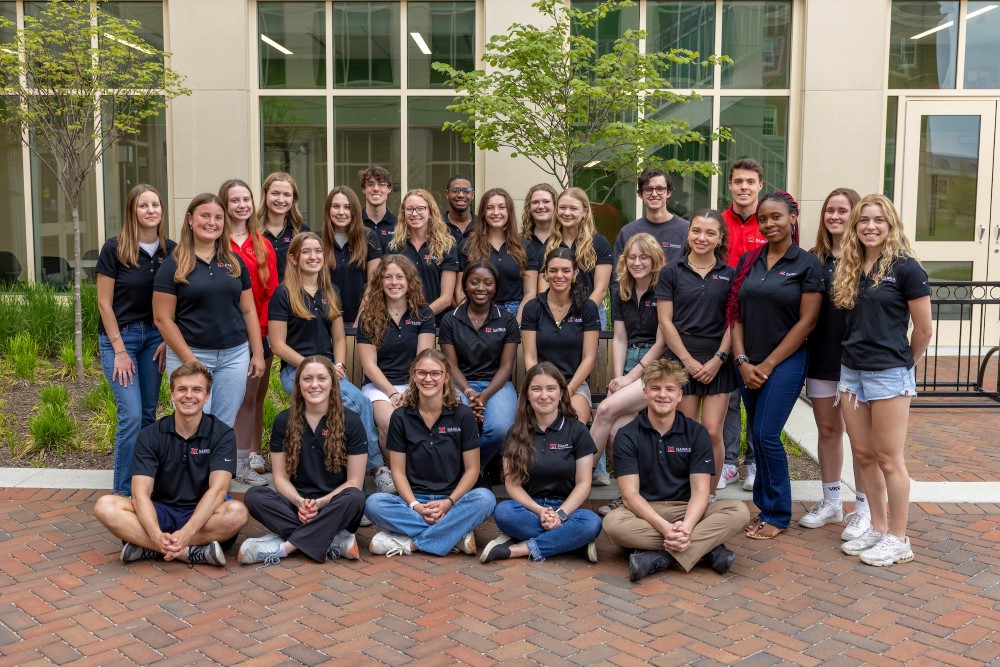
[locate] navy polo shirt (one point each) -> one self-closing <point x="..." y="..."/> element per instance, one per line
<point x="478" y="351"/>
<point x="180" y="467"/>
<point x="826" y="339"/>
<point x="699" y="303"/>
<point x="307" y="337"/>
<point x="399" y="345"/>
<point x="603" y="250"/>
<point x="770" y="299"/>
<point x="557" y="449"/>
<point x="433" y="455"/>
<point x="280" y="243"/>
<point x="638" y="314"/>
<point x="208" y="304"/>
<point x="455" y="232"/>
<point x="559" y="343"/>
<point x="349" y="279"/>
<point x="664" y="462"/>
<point x="311" y="479"/>
<point x="430" y="267"/>
<point x="133" y="295"/>
<point x="384" y="228"/>
<point x="876" y="327"/>
<point x="511" y="287"/>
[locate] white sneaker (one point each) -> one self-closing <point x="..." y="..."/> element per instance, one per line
<point x="859" y="545"/>
<point x="391" y="544"/>
<point x="858" y="523"/>
<point x="466" y="545"/>
<point x="889" y="550"/>
<point x="260" y="549"/>
<point x="601" y="479"/>
<point x="365" y="521"/>
<point x="751" y="476"/>
<point x="822" y="513"/>
<point x="247" y="475"/>
<point x="258" y="463"/>
<point x="383" y="481"/>
<point x="729" y="474"/>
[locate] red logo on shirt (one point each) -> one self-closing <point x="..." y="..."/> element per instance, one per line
<point x="441" y="429"/>
<point x="670" y="448"/>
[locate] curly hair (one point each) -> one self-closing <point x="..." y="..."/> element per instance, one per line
<point x="334" y="437"/>
<point x="478" y="246"/>
<point x="721" y="250"/>
<point x="261" y="248"/>
<point x="294" y="215"/>
<point x="824" y="240"/>
<point x="128" y="237"/>
<point x="184" y="253"/>
<point x="357" y="233"/>
<point x="374" y="318"/>
<point x="519" y="446"/>
<point x="411" y="397"/>
<point x="648" y="246"/>
<point x="527" y="221"/>
<point x="852" y="255"/>
<point x="586" y="255"/>
<point x="293" y="281"/>
<point x="439" y="239"/>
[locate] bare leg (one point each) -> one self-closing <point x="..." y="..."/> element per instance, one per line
<point x="713" y="417"/>
<point x="118" y="515"/>
<point x="582" y="407"/>
<point x="383" y="412"/>
<point x="889" y="420"/>
<point x="858" y="419"/>
<point x="830" y="424"/>
<point x="621" y="406"/>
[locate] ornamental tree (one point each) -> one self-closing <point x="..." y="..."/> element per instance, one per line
<point x="73" y="82"/>
<point x="550" y="96"/>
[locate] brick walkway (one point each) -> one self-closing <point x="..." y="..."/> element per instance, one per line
<point x="954" y="445"/>
<point x="65" y="597"/>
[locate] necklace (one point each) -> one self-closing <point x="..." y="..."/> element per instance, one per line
<point x="477" y="320"/>
<point x="207" y="260"/>
<point x="699" y="266"/>
<point x="313" y="421"/>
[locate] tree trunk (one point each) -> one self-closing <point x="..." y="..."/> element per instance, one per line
<point x="77" y="301"/>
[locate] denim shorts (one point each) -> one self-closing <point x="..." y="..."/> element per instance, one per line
<point x="870" y="386"/>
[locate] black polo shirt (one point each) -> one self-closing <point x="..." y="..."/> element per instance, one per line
<point x="638" y="314"/>
<point x="561" y="345"/>
<point x="399" y="345"/>
<point x="664" y="462"/>
<point x="511" y="287"/>
<point x="455" y="232"/>
<point x="536" y="253"/>
<point x="826" y="339"/>
<point x="876" y="327"/>
<point x="180" y="467"/>
<point x="307" y="337"/>
<point x="433" y="455"/>
<point x="557" y="450"/>
<point x="132" y="300"/>
<point x="603" y="250"/>
<point x="311" y="479"/>
<point x="699" y="303"/>
<point x="430" y="267"/>
<point x="208" y="304"/>
<point x="349" y="279"/>
<point x="384" y="228"/>
<point x="770" y="300"/>
<point x="280" y="243"/>
<point x="478" y="351"/>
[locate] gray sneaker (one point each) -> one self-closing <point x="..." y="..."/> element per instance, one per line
<point x="247" y="475"/>
<point x="858" y="523"/>
<point x="206" y="554"/>
<point x="260" y="549"/>
<point x="751" y="475"/>
<point x="605" y="510"/>
<point x="258" y="463"/>
<point x="889" y="551"/>
<point x="822" y="513"/>
<point x="133" y="552"/>
<point x="344" y="545"/>
<point x="383" y="481"/>
<point x="601" y="479"/>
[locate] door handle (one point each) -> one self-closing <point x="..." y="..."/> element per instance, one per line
<point x="982" y="230"/>
<point x="997" y="239"/>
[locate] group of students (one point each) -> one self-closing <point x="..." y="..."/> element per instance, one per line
<point x="730" y="298"/>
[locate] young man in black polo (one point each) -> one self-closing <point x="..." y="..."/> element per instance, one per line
<point x="459" y="216"/>
<point x="376" y="185"/>
<point x="183" y="465"/>
<point x="664" y="464"/>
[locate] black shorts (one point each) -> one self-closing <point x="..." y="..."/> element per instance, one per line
<point x="171" y="518"/>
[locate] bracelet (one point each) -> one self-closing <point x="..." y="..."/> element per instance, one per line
<point x="640" y="363"/>
<point x="122" y="352"/>
<point x="468" y="391"/>
<point x="452" y="501"/>
<point x="116" y="337"/>
<point x="414" y="504"/>
<point x="395" y="393"/>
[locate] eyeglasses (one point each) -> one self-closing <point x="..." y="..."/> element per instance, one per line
<point x="660" y="190"/>
<point x="378" y="184"/>
<point x="877" y="221"/>
<point x="461" y="191"/>
<point x="414" y="210"/>
<point x="421" y="374"/>
<point x="638" y="258"/>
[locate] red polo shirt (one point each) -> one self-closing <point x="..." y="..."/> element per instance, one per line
<point x="744" y="235"/>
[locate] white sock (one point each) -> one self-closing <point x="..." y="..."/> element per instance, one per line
<point x="831" y="492"/>
<point x="861" y="503"/>
<point x="242" y="456"/>
<point x="281" y="551"/>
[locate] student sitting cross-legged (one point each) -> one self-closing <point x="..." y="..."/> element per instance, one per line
<point x="664" y="463"/>
<point x="180" y="477"/>
<point x="318" y="455"/>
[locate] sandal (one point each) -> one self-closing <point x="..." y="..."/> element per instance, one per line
<point x="753" y="523"/>
<point x="764" y="531"/>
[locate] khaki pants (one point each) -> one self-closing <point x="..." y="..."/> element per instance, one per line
<point x="722" y="520"/>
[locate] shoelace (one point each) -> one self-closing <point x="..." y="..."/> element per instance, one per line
<point x="855" y="519"/>
<point x="398" y="549"/>
<point x="817" y="508"/>
<point x="197" y="556"/>
<point x="270" y="558"/>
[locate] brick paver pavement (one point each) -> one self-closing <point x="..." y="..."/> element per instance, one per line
<point x="954" y="445"/>
<point x="64" y="597"/>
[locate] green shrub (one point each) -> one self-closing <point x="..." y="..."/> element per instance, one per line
<point x="163" y="403"/>
<point x="89" y="312"/>
<point x="104" y="423"/>
<point x="53" y="428"/>
<point x="23" y="354"/>
<point x="67" y="355"/>
<point x="56" y="395"/>
<point x="10" y="317"/>
<point x="47" y="317"/>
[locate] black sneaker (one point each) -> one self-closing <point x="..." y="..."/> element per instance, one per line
<point x="719" y="559"/>
<point x="133" y="552"/>
<point x="643" y="563"/>
<point x="497" y="549"/>
<point x="206" y="554"/>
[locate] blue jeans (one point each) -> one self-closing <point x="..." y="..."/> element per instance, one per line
<point x="354" y="401"/>
<point x="768" y="409"/>
<point x="229" y="378"/>
<point x="580" y="529"/>
<point x="136" y="402"/>
<point x="510" y="306"/>
<point x="498" y="417"/>
<point x="390" y="512"/>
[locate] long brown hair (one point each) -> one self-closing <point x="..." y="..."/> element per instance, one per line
<point x="357" y="236"/>
<point x="439" y="239"/>
<point x="294" y="215"/>
<point x="184" y="254"/>
<point x="478" y="245"/>
<point x="128" y="237"/>
<point x="586" y="255"/>
<point x="261" y="248"/>
<point x="519" y="448"/>
<point x="824" y="240"/>
<point x="335" y="440"/>
<point x="527" y="221"/>
<point x="411" y="397"/>
<point x="293" y="281"/>
<point x="374" y="317"/>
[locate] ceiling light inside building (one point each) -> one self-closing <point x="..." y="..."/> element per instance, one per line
<point x="270" y="42"/>
<point x="421" y="44"/>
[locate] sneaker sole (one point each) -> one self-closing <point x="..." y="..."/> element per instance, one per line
<point x="854" y="552"/>
<point x="803" y="523"/>
<point x="748" y="487"/>
<point x="886" y="563"/>
<point x="499" y="539"/>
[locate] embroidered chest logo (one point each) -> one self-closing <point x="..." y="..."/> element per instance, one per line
<point x="649" y="303"/>
<point x="410" y="323"/>
<point x="574" y="320"/>
<point x="559" y="445"/>
<point x="496" y="329"/>
<point x="449" y="429"/>
<point x="678" y="450"/>
<point x="195" y="450"/>
<point x="668" y="244"/>
<point x="718" y="277"/>
<point x="788" y="274"/>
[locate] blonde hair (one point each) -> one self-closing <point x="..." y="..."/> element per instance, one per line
<point x="527" y="221"/>
<point x="586" y="256"/>
<point x="294" y="215"/>
<point x="647" y="245"/>
<point x="439" y="239"/>
<point x="293" y="281"/>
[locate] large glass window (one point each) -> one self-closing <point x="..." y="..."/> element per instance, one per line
<point x="366" y="132"/>
<point x="141" y="158"/>
<point x="439" y="31"/>
<point x="148" y="14"/>
<point x="760" y="131"/>
<point x="757" y="36"/>
<point x="923" y="44"/>
<point x="366" y="45"/>
<point x="683" y="24"/>
<point x="293" y="140"/>
<point x="13" y="248"/>
<point x="434" y="156"/>
<point x="292" y="44"/>
<point x="947" y="191"/>
<point x="982" y="45"/>
<point x="693" y="191"/>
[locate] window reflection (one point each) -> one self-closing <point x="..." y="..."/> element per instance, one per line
<point x="439" y="31"/>
<point x="292" y="44"/>
<point x="982" y="46"/>
<point x="683" y="24"/>
<point x="947" y="178"/>
<point x="693" y="191"/>
<point x="757" y="36"/>
<point x="760" y="131"/>
<point x="923" y="44"/>
<point x="293" y="139"/>
<point x="435" y="155"/>
<point x="366" y="45"/>
<point x="366" y="132"/>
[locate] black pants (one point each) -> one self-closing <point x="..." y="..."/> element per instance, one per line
<point x="281" y="516"/>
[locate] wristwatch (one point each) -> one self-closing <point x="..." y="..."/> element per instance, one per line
<point x="561" y="514"/>
<point x="722" y="355"/>
<point x="742" y="359"/>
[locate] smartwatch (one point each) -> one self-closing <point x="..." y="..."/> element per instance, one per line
<point x="722" y="355"/>
<point x="561" y="514"/>
<point x="742" y="359"/>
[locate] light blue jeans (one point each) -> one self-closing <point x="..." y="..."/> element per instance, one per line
<point x="391" y="513"/>
<point x="229" y="378"/>
<point x="498" y="417"/>
<point x="580" y="529"/>
<point x="510" y="306"/>
<point x="136" y="402"/>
